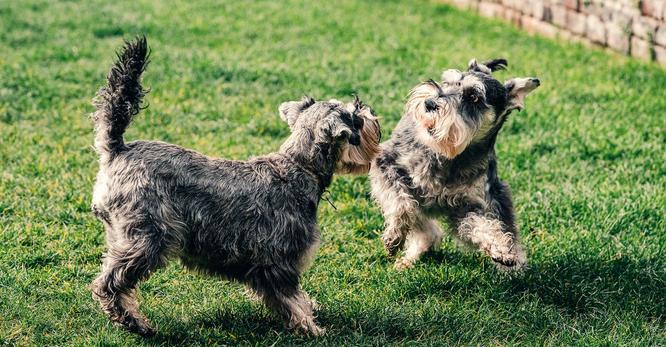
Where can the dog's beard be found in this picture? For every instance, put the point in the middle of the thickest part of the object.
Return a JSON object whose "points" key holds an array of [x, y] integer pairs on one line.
{"points": [[443, 129], [357, 159]]}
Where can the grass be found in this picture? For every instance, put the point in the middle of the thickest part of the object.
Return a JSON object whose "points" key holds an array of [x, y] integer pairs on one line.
{"points": [[585, 161]]}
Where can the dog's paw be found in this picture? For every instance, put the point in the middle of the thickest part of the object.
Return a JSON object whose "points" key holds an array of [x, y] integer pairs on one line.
{"points": [[393, 243], [139, 326], [403, 264], [314, 304], [507, 258], [317, 331], [307, 327]]}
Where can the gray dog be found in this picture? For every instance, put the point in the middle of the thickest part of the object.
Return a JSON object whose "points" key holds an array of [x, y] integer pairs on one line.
{"points": [[251, 221], [441, 162]]}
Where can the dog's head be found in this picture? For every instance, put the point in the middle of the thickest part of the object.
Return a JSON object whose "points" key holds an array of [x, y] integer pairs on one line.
{"points": [[352, 126], [466, 106]]}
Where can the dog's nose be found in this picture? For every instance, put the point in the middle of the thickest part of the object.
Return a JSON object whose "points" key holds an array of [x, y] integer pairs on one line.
{"points": [[430, 105], [536, 81], [354, 140]]}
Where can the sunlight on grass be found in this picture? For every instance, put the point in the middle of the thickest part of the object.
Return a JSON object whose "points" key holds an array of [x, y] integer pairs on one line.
{"points": [[585, 161]]}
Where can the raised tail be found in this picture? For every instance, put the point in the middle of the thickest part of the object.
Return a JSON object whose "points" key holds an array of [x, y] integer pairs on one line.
{"points": [[120, 100]]}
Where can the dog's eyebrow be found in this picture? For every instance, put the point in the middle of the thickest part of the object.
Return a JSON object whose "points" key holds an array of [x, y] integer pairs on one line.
{"points": [[436, 85]]}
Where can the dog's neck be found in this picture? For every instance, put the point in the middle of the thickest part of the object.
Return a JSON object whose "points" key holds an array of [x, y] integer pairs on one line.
{"points": [[318, 158], [472, 162]]}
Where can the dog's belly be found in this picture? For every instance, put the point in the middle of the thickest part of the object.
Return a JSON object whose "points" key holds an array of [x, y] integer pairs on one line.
{"points": [[435, 198], [218, 266]]}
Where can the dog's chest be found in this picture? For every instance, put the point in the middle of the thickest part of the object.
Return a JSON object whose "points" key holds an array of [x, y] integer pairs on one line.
{"points": [[440, 184]]}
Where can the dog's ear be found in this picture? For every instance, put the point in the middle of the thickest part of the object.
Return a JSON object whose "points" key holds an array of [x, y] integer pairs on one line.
{"points": [[488, 67], [356, 159], [364, 118], [290, 110], [517, 89], [497, 64], [474, 65]]}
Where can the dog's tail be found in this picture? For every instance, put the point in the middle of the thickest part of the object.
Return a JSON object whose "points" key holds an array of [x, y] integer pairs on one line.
{"points": [[120, 100]]}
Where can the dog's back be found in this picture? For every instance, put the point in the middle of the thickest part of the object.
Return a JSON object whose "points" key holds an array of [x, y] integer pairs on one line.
{"points": [[252, 200]]}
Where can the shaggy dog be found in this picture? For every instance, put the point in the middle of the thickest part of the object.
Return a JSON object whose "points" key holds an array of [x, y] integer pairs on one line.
{"points": [[441, 162], [251, 221]]}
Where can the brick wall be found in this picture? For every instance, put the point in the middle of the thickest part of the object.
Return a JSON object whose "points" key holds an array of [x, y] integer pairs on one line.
{"points": [[632, 27]]}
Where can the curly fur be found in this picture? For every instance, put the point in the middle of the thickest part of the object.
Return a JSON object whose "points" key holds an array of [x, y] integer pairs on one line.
{"points": [[441, 162], [251, 221]]}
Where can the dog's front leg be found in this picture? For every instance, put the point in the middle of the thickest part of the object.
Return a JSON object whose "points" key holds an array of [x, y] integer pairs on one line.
{"points": [[425, 235], [491, 236], [397, 228]]}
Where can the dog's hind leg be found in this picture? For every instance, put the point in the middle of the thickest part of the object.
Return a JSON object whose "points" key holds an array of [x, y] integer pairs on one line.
{"points": [[128, 261], [425, 236], [280, 290]]}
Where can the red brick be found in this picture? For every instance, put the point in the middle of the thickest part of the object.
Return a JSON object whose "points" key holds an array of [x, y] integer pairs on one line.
{"points": [[572, 4], [576, 22], [588, 7], [644, 27], [595, 30], [660, 36], [624, 18], [652, 8], [618, 38], [489, 9], [530, 24], [535, 26], [660, 54], [616, 5], [641, 48], [535, 8], [559, 15], [512, 16], [513, 4]]}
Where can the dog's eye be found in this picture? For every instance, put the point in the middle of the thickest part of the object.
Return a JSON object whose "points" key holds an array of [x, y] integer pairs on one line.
{"points": [[472, 96]]}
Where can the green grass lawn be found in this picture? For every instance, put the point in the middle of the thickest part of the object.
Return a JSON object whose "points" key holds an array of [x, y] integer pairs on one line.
{"points": [[585, 161]]}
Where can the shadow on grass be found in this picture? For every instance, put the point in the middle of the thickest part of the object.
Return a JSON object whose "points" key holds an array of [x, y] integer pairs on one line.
{"points": [[575, 285], [255, 328], [581, 286]]}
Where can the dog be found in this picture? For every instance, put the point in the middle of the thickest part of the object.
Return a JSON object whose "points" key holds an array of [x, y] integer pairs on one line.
{"points": [[441, 163], [251, 221]]}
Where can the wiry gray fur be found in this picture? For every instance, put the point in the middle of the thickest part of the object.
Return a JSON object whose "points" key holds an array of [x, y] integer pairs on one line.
{"points": [[440, 163], [251, 221]]}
